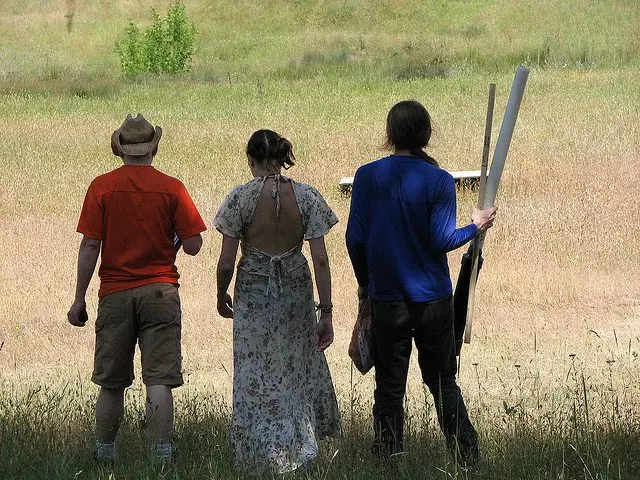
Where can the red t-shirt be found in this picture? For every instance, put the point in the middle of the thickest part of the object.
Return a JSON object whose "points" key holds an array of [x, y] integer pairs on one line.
{"points": [[136, 211]]}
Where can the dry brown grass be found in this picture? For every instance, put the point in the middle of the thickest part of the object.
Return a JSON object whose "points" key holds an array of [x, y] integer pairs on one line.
{"points": [[561, 263]]}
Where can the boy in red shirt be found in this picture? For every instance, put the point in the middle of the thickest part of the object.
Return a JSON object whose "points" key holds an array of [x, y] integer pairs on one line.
{"points": [[138, 217]]}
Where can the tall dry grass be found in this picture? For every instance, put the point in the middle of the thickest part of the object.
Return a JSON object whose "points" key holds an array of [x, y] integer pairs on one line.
{"points": [[559, 260]]}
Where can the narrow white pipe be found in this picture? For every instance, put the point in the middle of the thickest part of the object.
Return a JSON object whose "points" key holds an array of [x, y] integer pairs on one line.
{"points": [[481, 194]]}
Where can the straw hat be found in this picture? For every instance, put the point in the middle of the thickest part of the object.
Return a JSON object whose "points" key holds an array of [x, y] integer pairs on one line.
{"points": [[135, 137]]}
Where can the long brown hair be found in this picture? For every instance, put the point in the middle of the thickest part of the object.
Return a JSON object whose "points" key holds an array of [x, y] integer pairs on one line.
{"points": [[409, 128]]}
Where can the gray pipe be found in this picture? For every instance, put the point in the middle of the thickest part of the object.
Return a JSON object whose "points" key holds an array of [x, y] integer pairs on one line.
{"points": [[504, 139], [506, 132]]}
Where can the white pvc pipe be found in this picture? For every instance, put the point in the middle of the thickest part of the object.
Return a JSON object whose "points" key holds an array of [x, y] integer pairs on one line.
{"points": [[504, 138], [499, 158], [506, 132]]}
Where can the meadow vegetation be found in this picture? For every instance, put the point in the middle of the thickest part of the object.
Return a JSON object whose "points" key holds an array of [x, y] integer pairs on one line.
{"points": [[166, 45], [552, 376]]}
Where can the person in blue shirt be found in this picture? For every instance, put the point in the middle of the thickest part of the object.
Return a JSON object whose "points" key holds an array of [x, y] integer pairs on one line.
{"points": [[401, 225]]}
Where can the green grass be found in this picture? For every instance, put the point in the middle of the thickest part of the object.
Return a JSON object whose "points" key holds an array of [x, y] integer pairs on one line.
{"points": [[244, 41], [46, 431]]}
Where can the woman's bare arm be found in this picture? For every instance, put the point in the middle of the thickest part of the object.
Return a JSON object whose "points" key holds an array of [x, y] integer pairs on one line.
{"points": [[224, 274], [324, 329]]}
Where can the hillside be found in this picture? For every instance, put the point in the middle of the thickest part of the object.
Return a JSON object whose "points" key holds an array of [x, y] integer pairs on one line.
{"points": [[246, 41]]}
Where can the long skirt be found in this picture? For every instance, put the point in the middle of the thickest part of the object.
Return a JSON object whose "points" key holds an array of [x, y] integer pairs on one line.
{"points": [[283, 396]]}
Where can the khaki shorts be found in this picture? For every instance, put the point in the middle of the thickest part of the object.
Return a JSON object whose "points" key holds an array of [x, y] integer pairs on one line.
{"points": [[149, 315]]}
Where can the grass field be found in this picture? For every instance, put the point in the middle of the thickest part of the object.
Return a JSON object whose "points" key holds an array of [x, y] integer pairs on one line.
{"points": [[552, 376]]}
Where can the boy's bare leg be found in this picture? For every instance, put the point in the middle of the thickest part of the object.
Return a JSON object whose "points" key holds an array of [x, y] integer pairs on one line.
{"points": [[109, 410], [160, 418]]}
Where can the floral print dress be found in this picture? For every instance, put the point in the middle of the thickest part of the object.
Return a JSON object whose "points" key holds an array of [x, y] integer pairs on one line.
{"points": [[283, 396]]}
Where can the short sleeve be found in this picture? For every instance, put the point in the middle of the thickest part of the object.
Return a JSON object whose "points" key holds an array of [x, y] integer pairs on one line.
{"points": [[319, 218], [187, 219], [228, 220], [92, 215]]}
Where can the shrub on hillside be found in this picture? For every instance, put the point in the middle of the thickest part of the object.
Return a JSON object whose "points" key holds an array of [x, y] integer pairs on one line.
{"points": [[167, 45], [131, 50]]}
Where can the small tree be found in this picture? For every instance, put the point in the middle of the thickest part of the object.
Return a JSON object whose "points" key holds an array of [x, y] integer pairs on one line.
{"points": [[166, 46], [155, 44], [131, 50], [180, 37]]}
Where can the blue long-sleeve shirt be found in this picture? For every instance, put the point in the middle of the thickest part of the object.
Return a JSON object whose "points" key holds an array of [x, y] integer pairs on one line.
{"points": [[401, 225]]}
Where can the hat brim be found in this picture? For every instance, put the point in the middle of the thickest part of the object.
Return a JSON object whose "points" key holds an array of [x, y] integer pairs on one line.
{"points": [[134, 149]]}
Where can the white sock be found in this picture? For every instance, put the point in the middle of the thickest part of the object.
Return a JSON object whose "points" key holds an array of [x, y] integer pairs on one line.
{"points": [[163, 450], [106, 451]]}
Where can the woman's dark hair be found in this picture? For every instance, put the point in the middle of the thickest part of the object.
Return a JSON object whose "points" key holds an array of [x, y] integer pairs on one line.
{"points": [[409, 128], [268, 146]]}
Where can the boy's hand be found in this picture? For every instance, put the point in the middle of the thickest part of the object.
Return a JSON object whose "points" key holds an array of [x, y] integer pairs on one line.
{"points": [[225, 305], [484, 218], [77, 315]]}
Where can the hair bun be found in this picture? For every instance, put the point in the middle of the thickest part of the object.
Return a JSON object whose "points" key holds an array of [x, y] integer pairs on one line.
{"points": [[284, 152], [267, 145]]}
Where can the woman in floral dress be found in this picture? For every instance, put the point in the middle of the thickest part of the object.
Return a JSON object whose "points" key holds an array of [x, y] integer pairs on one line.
{"points": [[283, 396]]}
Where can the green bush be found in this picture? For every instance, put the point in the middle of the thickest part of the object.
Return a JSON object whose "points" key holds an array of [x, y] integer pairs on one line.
{"points": [[131, 50], [155, 44], [180, 38], [166, 46]]}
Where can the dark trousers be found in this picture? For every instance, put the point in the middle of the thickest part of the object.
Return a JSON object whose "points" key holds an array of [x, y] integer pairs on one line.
{"points": [[430, 325]]}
